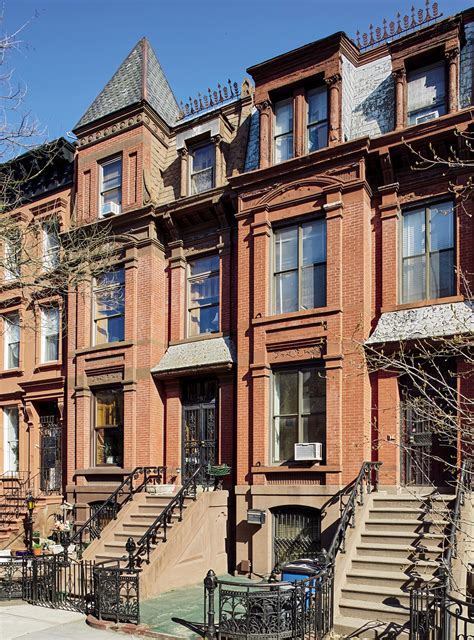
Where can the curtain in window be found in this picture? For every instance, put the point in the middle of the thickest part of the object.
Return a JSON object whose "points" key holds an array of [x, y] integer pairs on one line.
{"points": [[12, 341], [11, 440], [50, 334]]}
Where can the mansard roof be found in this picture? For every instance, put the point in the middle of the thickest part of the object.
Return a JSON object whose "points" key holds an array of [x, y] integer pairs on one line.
{"points": [[139, 77]]}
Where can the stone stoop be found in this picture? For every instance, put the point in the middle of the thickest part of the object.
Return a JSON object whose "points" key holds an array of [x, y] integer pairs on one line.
{"points": [[193, 546], [400, 543]]}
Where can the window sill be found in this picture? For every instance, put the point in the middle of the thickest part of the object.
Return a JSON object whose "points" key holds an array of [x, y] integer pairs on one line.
{"points": [[295, 468], [202, 336], [45, 366], [107, 346], [103, 470], [296, 315], [422, 303], [12, 372]]}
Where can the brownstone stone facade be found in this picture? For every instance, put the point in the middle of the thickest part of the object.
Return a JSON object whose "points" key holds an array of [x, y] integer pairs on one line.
{"points": [[264, 237]]}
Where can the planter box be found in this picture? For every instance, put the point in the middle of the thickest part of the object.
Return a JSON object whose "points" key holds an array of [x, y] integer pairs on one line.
{"points": [[161, 489]]}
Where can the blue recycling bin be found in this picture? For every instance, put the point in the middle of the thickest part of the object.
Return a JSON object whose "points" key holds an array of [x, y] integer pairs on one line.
{"points": [[302, 570]]}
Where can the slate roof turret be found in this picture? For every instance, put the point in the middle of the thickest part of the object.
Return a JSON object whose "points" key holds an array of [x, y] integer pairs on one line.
{"points": [[139, 77]]}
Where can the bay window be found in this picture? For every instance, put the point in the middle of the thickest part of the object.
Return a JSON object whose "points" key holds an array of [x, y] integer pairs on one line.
{"points": [[428, 252], [11, 341], [109, 307], [300, 267], [203, 296], [299, 410], [49, 334], [283, 131], [108, 427]]}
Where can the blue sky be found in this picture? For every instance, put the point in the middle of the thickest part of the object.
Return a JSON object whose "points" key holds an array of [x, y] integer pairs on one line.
{"points": [[70, 48]]}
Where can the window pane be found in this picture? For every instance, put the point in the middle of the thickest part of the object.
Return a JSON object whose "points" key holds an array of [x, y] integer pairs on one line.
{"points": [[109, 446], [116, 329], [203, 157], [286, 292], [317, 105], [414, 232], [284, 147], [203, 320], [112, 174], [13, 355], [12, 328], [426, 90], [286, 393], [317, 137], [111, 278], [109, 408], [204, 265], [114, 195], [202, 181], [442, 274], [313, 287], [314, 391], [101, 333], [51, 348], [441, 226], [11, 427], [414, 279], [286, 249], [204, 291], [109, 303], [314, 428], [285, 435], [283, 117], [314, 242]]}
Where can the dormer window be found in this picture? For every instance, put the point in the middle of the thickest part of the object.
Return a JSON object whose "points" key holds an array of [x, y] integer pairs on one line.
{"points": [[111, 187], [317, 123], [283, 138], [202, 168], [426, 99]]}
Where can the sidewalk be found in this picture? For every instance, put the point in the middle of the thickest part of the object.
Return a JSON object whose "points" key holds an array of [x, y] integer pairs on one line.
{"points": [[38, 623]]}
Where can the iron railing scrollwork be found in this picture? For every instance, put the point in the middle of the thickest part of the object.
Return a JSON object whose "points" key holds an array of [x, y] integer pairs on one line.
{"points": [[366, 482], [109, 509], [273, 610], [117, 592], [158, 530], [11, 576]]}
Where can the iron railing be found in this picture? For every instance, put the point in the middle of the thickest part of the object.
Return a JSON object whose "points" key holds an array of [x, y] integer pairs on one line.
{"points": [[366, 482], [463, 485], [108, 510], [11, 576], [117, 592], [267, 610], [139, 552]]}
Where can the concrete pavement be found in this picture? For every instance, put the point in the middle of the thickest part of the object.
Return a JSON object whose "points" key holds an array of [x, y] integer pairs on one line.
{"points": [[38, 623]]}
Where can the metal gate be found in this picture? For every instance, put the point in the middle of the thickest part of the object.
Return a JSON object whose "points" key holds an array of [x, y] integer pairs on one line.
{"points": [[416, 447], [50, 451], [199, 427], [297, 534]]}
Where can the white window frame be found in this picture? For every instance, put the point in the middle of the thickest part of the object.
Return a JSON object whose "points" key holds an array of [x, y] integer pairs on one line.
{"points": [[50, 249], [316, 123], [8, 324], [47, 333], [98, 289], [192, 173], [12, 255], [286, 133], [427, 110], [102, 191], [189, 280], [10, 425]]}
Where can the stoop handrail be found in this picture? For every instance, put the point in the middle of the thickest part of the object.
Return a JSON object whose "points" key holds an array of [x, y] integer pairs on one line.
{"points": [[109, 509], [366, 482], [139, 552]]}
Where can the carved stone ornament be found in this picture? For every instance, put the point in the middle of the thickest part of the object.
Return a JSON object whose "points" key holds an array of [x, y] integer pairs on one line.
{"points": [[399, 74], [263, 106], [452, 54], [105, 378], [333, 80]]}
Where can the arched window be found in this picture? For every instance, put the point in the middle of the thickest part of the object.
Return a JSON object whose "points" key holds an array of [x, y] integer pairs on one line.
{"points": [[296, 533]]}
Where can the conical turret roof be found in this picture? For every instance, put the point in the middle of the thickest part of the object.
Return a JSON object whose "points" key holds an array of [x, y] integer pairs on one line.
{"points": [[139, 77]]}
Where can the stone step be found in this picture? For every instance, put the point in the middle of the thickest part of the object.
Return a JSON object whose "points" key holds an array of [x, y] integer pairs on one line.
{"points": [[406, 513], [368, 611], [356, 628], [136, 536], [425, 568], [401, 537], [379, 578], [417, 526], [391, 596], [403, 551], [111, 556], [411, 501], [141, 518]]}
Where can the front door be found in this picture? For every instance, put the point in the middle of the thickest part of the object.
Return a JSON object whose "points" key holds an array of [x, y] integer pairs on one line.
{"points": [[199, 426], [416, 448], [50, 453]]}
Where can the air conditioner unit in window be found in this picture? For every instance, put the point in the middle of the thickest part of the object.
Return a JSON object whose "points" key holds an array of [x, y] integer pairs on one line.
{"points": [[308, 451], [432, 115], [110, 209]]}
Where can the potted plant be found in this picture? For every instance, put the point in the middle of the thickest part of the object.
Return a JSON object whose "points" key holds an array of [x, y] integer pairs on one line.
{"points": [[37, 549], [108, 453]]}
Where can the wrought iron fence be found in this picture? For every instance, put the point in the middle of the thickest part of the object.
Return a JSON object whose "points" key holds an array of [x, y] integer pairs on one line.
{"points": [[117, 592], [277, 610], [11, 575]]}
